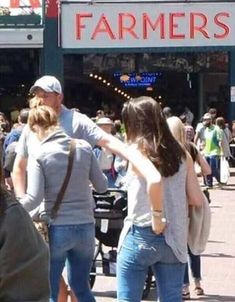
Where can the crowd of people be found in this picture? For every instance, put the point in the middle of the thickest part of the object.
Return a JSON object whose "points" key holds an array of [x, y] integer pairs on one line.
{"points": [[52, 160]]}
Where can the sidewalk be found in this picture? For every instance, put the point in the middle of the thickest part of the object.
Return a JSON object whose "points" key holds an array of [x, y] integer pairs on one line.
{"points": [[218, 260]]}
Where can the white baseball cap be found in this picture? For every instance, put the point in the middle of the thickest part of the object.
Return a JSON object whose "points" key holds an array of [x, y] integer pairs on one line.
{"points": [[104, 121], [48, 84], [207, 116]]}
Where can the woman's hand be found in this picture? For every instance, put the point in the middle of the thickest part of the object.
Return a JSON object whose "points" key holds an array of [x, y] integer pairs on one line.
{"points": [[158, 222]]}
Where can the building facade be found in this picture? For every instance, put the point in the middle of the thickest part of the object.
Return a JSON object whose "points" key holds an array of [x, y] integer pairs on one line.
{"points": [[182, 53]]}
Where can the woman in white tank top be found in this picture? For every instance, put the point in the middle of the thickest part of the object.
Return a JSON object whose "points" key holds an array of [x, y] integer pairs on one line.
{"points": [[155, 236]]}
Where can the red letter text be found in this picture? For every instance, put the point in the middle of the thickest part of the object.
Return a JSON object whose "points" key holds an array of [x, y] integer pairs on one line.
{"points": [[199, 28], [159, 22], [221, 24], [124, 28], [79, 24], [173, 26], [103, 27]]}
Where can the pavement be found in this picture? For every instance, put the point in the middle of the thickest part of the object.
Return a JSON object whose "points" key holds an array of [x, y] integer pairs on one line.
{"points": [[218, 260]]}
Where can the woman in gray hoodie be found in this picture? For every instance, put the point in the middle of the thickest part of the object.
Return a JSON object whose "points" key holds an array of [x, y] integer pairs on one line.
{"points": [[72, 232]]}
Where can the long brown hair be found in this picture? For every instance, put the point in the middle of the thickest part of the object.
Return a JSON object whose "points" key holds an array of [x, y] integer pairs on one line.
{"points": [[147, 127]]}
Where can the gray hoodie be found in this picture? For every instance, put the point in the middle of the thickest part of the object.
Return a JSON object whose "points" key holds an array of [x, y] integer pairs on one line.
{"points": [[46, 172]]}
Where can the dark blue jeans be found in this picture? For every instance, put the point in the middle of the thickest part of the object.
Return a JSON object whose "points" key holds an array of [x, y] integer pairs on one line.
{"points": [[195, 265], [214, 162]]}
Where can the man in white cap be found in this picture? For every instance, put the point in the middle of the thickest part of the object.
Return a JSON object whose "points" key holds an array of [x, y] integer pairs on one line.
{"points": [[76, 125]]}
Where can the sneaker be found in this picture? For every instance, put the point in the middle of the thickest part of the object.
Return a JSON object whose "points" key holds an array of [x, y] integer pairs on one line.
{"points": [[199, 291], [185, 293]]}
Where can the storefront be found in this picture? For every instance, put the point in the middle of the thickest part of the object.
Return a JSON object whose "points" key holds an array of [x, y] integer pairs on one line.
{"points": [[21, 41], [179, 53]]}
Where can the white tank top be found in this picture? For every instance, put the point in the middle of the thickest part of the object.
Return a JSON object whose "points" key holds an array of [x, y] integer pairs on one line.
{"points": [[175, 209]]}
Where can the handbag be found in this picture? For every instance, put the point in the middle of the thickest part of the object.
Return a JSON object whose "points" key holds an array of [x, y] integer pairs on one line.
{"points": [[224, 170], [43, 224], [199, 227]]}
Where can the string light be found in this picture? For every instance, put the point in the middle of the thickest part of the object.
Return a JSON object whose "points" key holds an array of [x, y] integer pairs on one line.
{"points": [[97, 77]]}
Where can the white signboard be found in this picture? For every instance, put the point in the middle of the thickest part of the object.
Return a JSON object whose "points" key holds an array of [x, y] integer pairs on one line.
{"points": [[144, 25], [20, 12]]}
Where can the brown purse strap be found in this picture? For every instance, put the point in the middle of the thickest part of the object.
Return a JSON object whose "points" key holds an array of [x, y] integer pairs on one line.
{"points": [[60, 195]]}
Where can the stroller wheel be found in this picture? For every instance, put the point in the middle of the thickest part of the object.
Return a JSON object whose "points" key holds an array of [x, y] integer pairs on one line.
{"points": [[92, 275], [147, 284]]}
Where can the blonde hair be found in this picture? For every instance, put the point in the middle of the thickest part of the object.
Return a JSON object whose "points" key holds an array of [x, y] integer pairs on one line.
{"points": [[35, 102], [44, 117], [177, 129]]}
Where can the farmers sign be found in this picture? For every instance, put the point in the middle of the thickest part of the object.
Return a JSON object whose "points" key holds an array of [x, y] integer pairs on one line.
{"points": [[147, 25]]}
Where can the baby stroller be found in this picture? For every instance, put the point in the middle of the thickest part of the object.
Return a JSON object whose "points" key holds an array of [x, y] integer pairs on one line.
{"points": [[110, 211]]}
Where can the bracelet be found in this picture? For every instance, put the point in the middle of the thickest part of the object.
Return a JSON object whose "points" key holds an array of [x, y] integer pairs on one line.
{"points": [[156, 213], [160, 218]]}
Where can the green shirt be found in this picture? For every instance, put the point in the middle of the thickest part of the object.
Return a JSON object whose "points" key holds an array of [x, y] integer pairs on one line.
{"points": [[213, 137]]}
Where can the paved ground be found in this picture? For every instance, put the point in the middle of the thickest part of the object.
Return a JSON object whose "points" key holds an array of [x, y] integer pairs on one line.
{"points": [[218, 260]]}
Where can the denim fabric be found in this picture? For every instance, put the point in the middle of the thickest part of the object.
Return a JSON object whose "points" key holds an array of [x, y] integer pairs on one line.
{"points": [[142, 248], [195, 266], [76, 244], [214, 162]]}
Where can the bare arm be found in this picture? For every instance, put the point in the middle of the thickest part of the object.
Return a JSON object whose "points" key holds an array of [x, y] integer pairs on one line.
{"points": [[141, 163], [19, 175], [205, 167], [193, 190], [196, 138]]}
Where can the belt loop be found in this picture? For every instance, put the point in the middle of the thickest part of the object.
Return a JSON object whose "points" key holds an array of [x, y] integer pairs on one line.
{"points": [[132, 229]]}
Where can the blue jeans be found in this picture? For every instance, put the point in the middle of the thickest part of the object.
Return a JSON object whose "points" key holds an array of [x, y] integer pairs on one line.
{"points": [[195, 265], [142, 248], [74, 244], [214, 162]]}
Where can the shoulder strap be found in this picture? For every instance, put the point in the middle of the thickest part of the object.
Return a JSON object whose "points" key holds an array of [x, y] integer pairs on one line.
{"points": [[60, 195]]}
